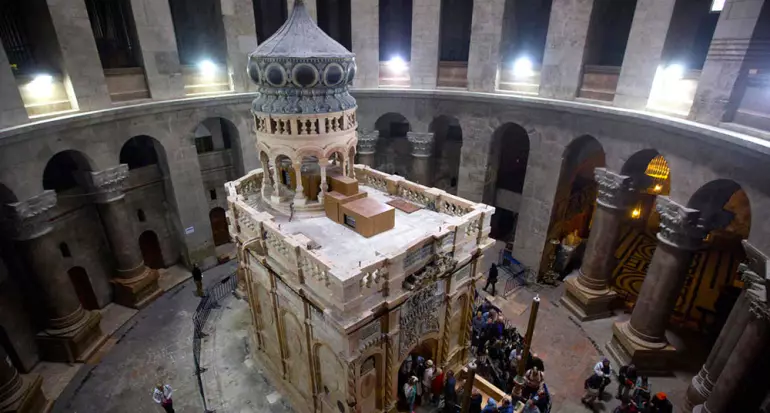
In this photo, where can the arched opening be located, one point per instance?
(65, 170)
(394, 152)
(311, 178)
(447, 146)
(508, 158)
(573, 206)
(151, 252)
(140, 215)
(218, 145)
(83, 288)
(64, 249)
(139, 151)
(414, 365)
(371, 383)
(218, 220)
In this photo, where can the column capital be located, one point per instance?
(29, 219)
(108, 183)
(367, 141)
(422, 143)
(613, 189)
(680, 227)
(755, 279)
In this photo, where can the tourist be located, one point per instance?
(491, 406)
(643, 392)
(626, 380)
(533, 379)
(660, 404)
(450, 391)
(534, 361)
(491, 278)
(506, 406)
(475, 405)
(604, 368)
(592, 386)
(162, 395)
(197, 277)
(437, 385)
(427, 380)
(530, 407)
(626, 406)
(410, 392)
(542, 400)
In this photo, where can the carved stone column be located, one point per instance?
(642, 340)
(299, 196)
(73, 333)
(422, 149)
(22, 394)
(367, 146)
(589, 295)
(135, 285)
(702, 384)
(746, 367)
(323, 162)
(276, 197)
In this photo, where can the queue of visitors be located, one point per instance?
(634, 390)
(425, 384)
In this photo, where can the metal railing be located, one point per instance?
(210, 300)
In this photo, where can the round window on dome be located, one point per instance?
(305, 75)
(351, 72)
(253, 70)
(333, 74)
(275, 74)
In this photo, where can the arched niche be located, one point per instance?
(65, 171)
(447, 147)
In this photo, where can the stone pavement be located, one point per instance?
(156, 345)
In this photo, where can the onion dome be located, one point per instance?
(301, 70)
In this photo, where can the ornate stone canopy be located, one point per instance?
(301, 70)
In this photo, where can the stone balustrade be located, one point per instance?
(292, 125)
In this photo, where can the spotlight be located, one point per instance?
(674, 71)
(717, 6)
(397, 64)
(522, 67)
(41, 86)
(207, 68)
(636, 213)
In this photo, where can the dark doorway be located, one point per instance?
(219, 226)
(83, 288)
(150, 246)
(5, 343)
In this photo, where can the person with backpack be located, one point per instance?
(592, 386)
(626, 380)
(410, 392)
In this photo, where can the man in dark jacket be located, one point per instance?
(198, 279)
(450, 392)
(492, 278)
(660, 404)
(626, 380)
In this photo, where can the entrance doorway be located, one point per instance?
(414, 365)
(219, 226)
(150, 246)
(83, 288)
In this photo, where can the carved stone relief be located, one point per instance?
(419, 317)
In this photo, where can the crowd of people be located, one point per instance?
(634, 390)
(425, 384)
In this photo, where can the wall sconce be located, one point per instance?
(636, 213)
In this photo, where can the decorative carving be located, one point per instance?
(389, 400)
(418, 317)
(680, 226)
(447, 328)
(422, 144)
(352, 400)
(442, 266)
(613, 189)
(453, 209)
(29, 219)
(108, 184)
(367, 142)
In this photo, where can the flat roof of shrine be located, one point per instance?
(344, 247)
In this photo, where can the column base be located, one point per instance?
(655, 358)
(698, 391)
(587, 304)
(75, 343)
(137, 292)
(30, 398)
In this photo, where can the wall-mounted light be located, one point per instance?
(674, 71)
(397, 64)
(41, 86)
(657, 188)
(717, 6)
(207, 68)
(522, 68)
(636, 213)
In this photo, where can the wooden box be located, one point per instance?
(367, 216)
(334, 199)
(343, 184)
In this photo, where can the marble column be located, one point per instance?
(135, 285)
(426, 26)
(484, 53)
(565, 45)
(642, 339)
(649, 29)
(276, 197)
(323, 162)
(747, 364)
(157, 41)
(72, 334)
(365, 29)
(367, 146)
(12, 111)
(22, 394)
(422, 149)
(240, 39)
(80, 58)
(725, 71)
(589, 295)
(310, 6)
(299, 196)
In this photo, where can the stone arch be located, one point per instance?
(218, 133)
(642, 167)
(392, 124)
(143, 151)
(725, 205)
(393, 153)
(296, 353)
(447, 148)
(370, 381)
(6, 197)
(152, 253)
(65, 170)
(218, 220)
(507, 171)
(330, 374)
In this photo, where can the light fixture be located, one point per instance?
(41, 86)
(522, 67)
(397, 64)
(674, 71)
(657, 188)
(636, 213)
(207, 68)
(717, 5)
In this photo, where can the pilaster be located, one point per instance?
(12, 110)
(240, 39)
(367, 142)
(426, 22)
(422, 144)
(365, 29)
(484, 53)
